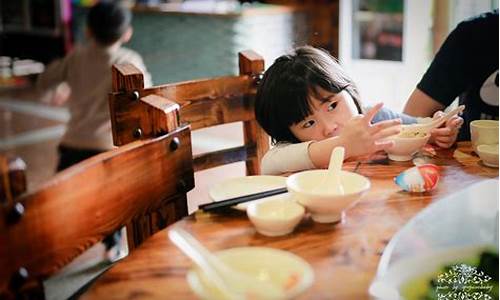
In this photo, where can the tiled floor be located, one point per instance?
(32, 130)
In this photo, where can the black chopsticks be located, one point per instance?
(236, 200)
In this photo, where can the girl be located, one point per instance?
(308, 105)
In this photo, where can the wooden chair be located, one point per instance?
(203, 103)
(141, 185)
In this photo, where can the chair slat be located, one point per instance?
(203, 103)
(86, 202)
(222, 157)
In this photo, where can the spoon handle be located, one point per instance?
(446, 117)
(202, 258)
(332, 182)
(336, 159)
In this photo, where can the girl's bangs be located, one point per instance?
(297, 108)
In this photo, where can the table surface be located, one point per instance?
(344, 256)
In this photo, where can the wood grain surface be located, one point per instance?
(88, 201)
(344, 256)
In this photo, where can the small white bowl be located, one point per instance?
(282, 268)
(405, 146)
(326, 207)
(275, 217)
(488, 154)
(483, 132)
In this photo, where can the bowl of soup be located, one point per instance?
(326, 206)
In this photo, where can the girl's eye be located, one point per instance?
(308, 124)
(332, 106)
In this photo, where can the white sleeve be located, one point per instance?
(284, 158)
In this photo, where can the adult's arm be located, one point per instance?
(449, 73)
(421, 105)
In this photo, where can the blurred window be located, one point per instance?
(377, 30)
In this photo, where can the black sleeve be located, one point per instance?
(446, 78)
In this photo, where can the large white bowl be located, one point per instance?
(326, 207)
(408, 278)
(282, 268)
(275, 217)
(405, 147)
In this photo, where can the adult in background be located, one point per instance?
(466, 66)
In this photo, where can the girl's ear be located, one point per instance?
(127, 35)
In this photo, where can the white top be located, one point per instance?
(87, 71)
(285, 157)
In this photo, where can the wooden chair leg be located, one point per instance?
(141, 228)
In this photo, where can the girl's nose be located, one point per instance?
(329, 129)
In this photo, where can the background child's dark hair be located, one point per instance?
(283, 97)
(108, 21)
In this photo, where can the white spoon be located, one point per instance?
(427, 127)
(231, 283)
(331, 183)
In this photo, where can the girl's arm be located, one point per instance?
(286, 158)
(319, 152)
(387, 114)
(359, 137)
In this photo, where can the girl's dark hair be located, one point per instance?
(108, 21)
(283, 97)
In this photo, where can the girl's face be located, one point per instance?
(330, 112)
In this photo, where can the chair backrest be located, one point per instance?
(203, 103)
(141, 185)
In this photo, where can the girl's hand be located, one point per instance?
(359, 137)
(446, 135)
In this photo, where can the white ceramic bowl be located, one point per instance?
(282, 268)
(326, 207)
(488, 154)
(277, 216)
(483, 132)
(404, 146)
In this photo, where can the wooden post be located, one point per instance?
(135, 112)
(252, 64)
(12, 179)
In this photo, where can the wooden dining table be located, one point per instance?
(344, 256)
